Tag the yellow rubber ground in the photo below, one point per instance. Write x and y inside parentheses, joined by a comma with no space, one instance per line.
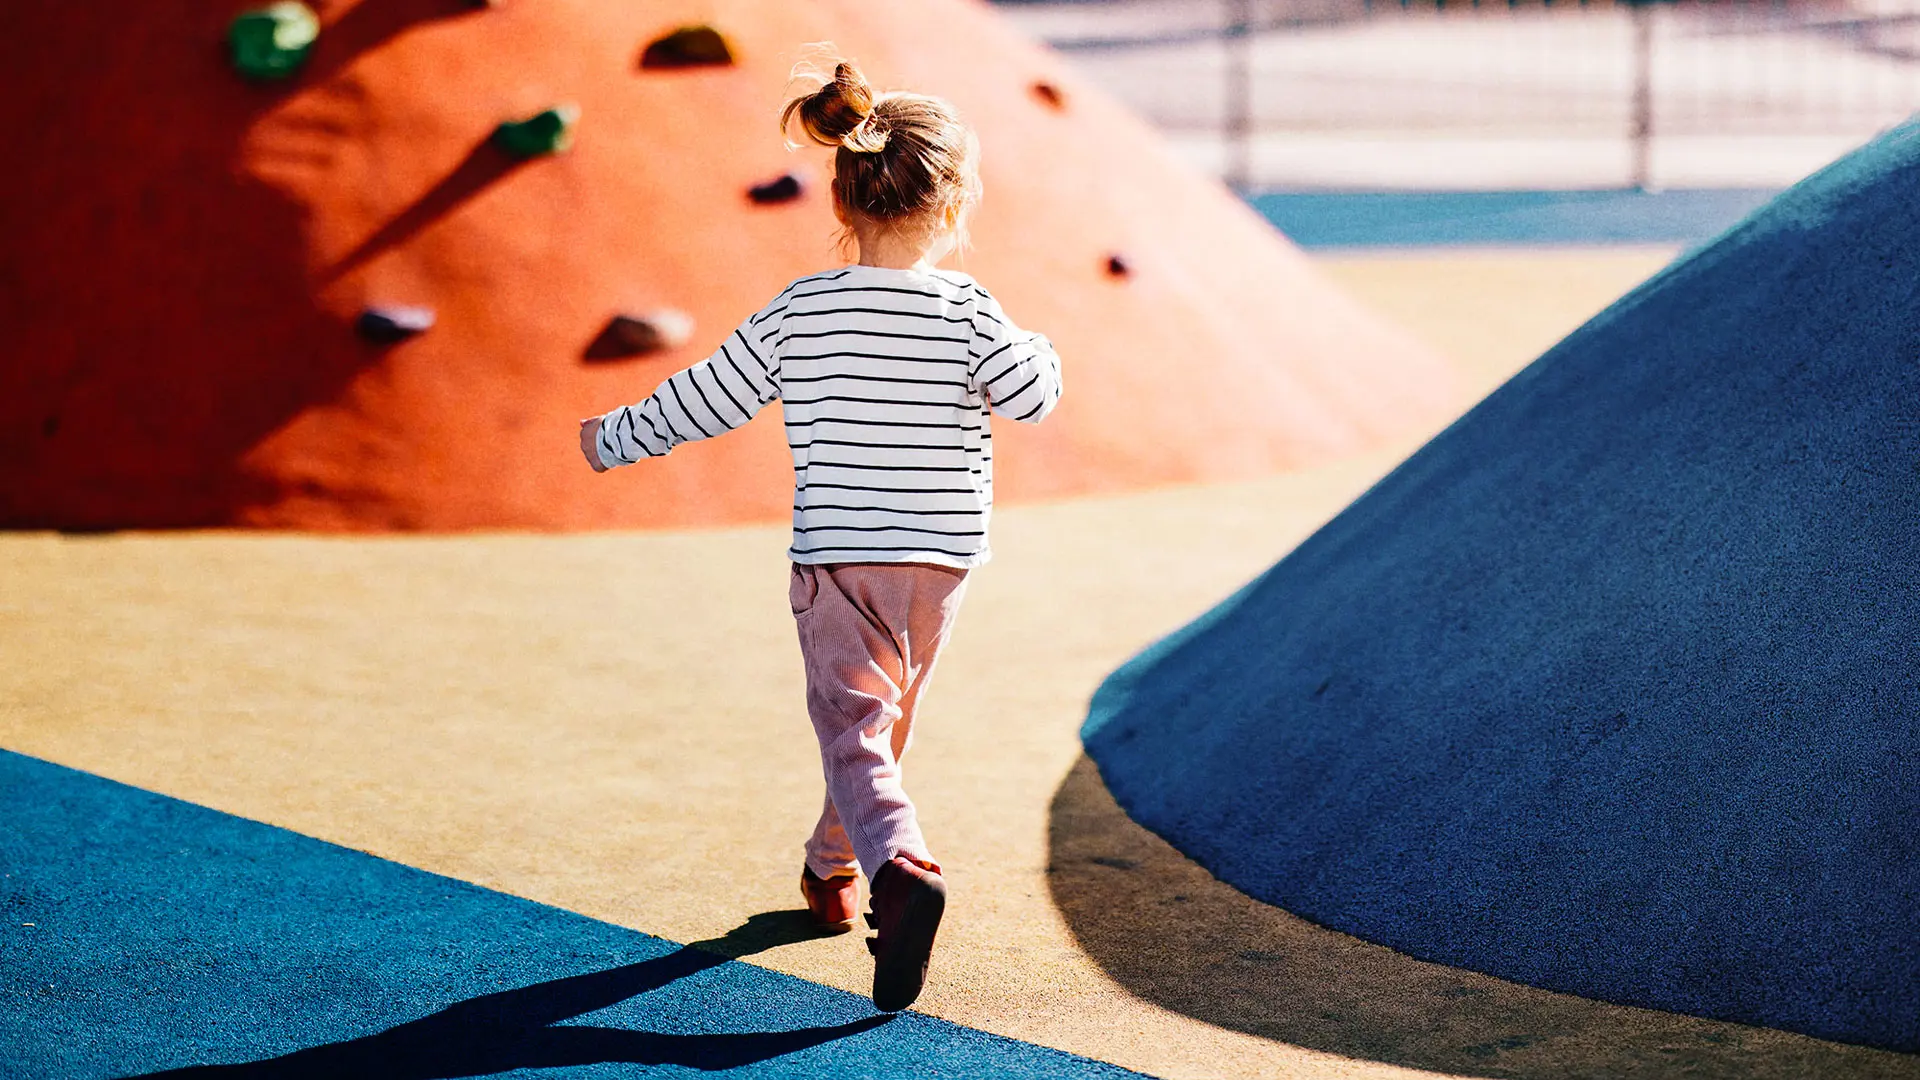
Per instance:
(613,724)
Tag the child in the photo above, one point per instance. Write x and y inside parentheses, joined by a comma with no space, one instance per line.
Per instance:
(886,371)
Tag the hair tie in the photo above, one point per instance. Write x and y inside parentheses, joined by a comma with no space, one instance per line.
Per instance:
(869,136)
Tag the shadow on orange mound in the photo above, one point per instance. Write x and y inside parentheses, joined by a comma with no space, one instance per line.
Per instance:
(186,253)
(1174,935)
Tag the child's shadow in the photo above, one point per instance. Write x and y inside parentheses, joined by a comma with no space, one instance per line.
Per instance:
(514,1029)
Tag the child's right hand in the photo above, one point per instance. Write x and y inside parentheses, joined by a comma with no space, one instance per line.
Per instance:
(590,442)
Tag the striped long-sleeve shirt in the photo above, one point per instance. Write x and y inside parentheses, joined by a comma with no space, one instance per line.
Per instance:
(886,378)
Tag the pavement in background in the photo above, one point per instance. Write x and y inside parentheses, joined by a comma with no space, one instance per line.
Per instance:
(1506,218)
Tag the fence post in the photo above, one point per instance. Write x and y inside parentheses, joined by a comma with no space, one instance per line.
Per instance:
(1238,106)
(1642,108)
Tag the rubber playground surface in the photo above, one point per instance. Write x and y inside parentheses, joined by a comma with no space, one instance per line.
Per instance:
(462,805)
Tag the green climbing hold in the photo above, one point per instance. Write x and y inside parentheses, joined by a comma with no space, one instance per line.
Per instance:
(548,132)
(272,42)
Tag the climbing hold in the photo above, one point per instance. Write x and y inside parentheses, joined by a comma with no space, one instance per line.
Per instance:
(637,335)
(1049,94)
(387,324)
(784,189)
(1117,266)
(689,46)
(271,42)
(548,132)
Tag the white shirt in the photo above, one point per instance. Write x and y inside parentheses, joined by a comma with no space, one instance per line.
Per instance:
(886,378)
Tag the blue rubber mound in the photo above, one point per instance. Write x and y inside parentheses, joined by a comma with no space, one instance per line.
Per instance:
(139,934)
(1614,687)
(1398,219)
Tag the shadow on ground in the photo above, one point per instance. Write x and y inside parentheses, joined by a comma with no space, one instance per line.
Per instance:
(1174,935)
(524,1029)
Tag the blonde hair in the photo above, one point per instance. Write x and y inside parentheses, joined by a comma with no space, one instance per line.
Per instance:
(903,159)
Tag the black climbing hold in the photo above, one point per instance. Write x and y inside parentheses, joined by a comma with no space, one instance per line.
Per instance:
(387,324)
(546,132)
(1049,94)
(637,335)
(689,46)
(1117,266)
(272,42)
(784,189)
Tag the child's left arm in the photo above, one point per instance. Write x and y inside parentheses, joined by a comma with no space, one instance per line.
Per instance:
(710,398)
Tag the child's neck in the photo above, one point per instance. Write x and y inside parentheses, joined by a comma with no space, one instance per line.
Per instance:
(887,249)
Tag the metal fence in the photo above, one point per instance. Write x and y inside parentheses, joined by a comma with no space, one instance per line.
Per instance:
(1690,86)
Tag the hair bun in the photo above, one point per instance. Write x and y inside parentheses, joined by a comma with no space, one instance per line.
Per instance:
(840,113)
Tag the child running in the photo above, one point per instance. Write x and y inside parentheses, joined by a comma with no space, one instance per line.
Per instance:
(886,371)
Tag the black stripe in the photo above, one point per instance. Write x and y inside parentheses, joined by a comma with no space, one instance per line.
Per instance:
(1041,404)
(988,385)
(931,294)
(871,446)
(882,311)
(868,401)
(883,468)
(783,292)
(971,511)
(886,528)
(876,356)
(684,411)
(865,423)
(764,370)
(744,381)
(879,334)
(693,380)
(647,420)
(892,490)
(1024,387)
(981,367)
(747,345)
(741,409)
(871,547)
(958,385)
(671,430)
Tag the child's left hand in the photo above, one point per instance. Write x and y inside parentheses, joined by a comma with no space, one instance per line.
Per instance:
(590,442)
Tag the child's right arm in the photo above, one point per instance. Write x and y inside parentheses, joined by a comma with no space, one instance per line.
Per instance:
(710,398)
(1016,370)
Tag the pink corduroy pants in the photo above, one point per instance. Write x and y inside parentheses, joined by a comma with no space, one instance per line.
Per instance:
(869,636)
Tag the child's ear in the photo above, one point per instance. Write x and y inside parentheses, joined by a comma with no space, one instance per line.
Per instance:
(839,208)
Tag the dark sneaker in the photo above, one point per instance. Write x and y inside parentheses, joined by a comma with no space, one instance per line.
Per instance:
(908,901)
(832,901)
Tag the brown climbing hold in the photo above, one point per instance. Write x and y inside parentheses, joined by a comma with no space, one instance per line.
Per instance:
(1117,266)
(689,46)
(786,188)
(638,335)
(1049,94)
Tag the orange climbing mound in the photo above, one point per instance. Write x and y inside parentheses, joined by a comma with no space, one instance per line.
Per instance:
(187,255)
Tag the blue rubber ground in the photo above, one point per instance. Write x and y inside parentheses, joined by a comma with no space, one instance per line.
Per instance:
(1614,687)
(143,934)
(1506,218)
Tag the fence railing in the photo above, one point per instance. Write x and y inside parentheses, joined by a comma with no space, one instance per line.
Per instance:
(1237,80)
